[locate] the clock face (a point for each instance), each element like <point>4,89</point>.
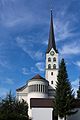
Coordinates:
<point>52,53</point>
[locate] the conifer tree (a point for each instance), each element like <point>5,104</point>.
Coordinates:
<point>78,92</point>
<point>11,109</point>
<point>64,97</point>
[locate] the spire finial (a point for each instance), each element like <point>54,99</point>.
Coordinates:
<point>51,15</point>
<point>51,11</point>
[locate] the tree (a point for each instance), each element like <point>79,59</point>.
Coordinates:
<point>64,97</point>
<point>78,91</point>
<point>11,109</point>
<point>78,94</point>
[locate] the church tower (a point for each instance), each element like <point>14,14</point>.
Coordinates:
<point>51,59</point>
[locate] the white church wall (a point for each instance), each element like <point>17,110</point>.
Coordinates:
<point>48,75</point>
<point>20,97</point>
<point>22,94</point>
<point>52,62</point>
<point>34,95</point>
<point>52,77</point>
<point>42,113</point>
<point>25,90</point>
<point>36,82</point>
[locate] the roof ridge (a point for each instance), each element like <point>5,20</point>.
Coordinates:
<point>37,76</point>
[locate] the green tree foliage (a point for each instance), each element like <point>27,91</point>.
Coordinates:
<point>78,91</point>
<point>64,98</point>
<point>78,94</point>
<point>11,109</point>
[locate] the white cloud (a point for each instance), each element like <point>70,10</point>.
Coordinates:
<point>65,32</point>
<point>27,47</point>
<point>3,92</point>
<point>70,49</point>
<point>4,61</point>
<point>38,55</point>
<point>25,71</point>
<point>29,71</point>
<point>77,63</point>
<point>75,85</point>
<point>9,81</point>
<point>15,12</point>
<point>33,70</point>
<point>40,66</point>
<point>12,14</point>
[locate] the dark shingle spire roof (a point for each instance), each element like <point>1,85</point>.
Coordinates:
<point>51,43</point>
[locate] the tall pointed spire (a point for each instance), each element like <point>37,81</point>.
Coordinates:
<point>51,43</point>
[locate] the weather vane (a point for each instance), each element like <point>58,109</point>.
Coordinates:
<point>51,4</point>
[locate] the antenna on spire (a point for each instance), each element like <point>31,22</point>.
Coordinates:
<point>51,4</point>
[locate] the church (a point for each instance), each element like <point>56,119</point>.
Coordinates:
<point>39,92</point>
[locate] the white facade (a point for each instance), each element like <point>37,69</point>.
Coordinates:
<point>22,94</point>
<point>42,113</point>
<point>51,68</point>
<point>36,88</point>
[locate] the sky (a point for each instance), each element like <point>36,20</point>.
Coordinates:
<point>24,33</point>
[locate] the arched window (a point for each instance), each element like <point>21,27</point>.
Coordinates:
<point>51,82</point>
<point>51,73</point>
<point>49,59</point>
<point>54,66</point>
<point>54,59</point>
<point>49,66</point>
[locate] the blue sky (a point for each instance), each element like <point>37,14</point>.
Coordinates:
<point>24,30</point>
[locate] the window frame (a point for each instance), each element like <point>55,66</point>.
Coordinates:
<point>49,59</point>
<point>52,82</point>
<point>51,73</point>
<point>54,59</point>
<point>54,66</point>
<point>49,66</point>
